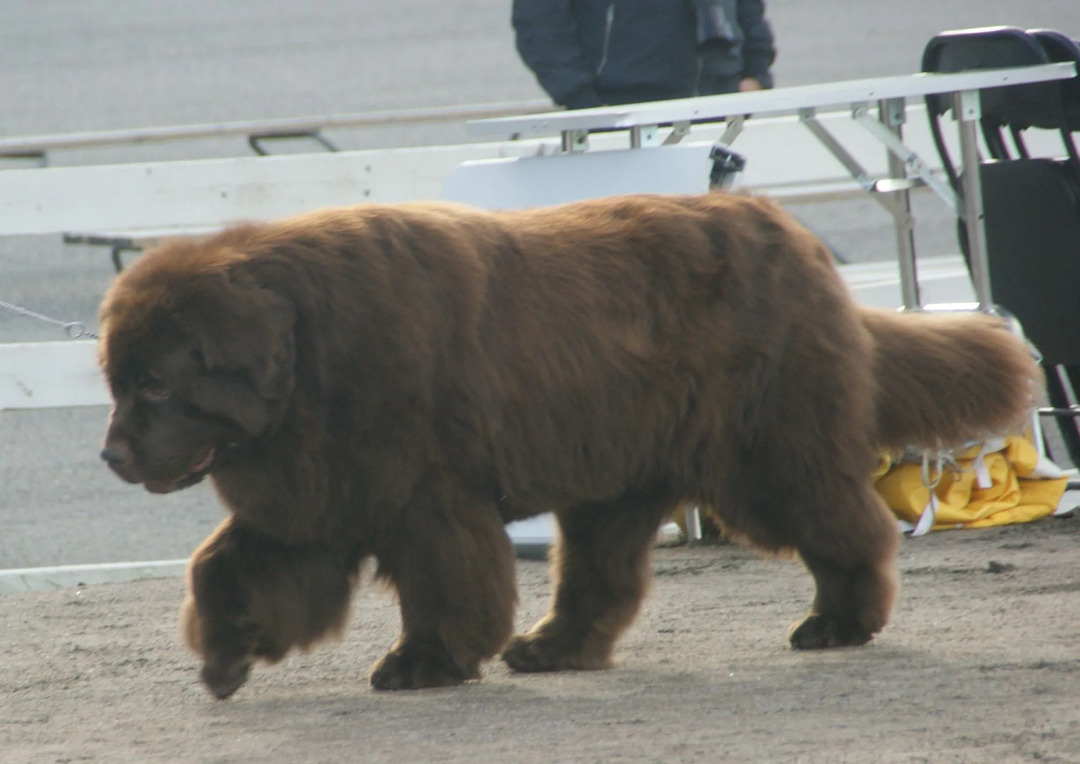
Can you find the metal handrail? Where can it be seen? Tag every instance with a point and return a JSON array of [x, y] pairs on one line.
[[267, 127]]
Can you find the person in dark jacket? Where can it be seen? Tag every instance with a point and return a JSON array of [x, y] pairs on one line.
[[595, 52]]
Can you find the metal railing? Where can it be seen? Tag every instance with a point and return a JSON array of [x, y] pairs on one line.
[[24, 146]]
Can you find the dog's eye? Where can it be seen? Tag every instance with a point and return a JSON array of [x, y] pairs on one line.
[[154, 390]]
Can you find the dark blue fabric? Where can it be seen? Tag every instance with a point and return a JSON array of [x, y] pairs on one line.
[[593, 52]]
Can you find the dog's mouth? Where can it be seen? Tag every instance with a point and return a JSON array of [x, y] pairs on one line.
[[204, 462]]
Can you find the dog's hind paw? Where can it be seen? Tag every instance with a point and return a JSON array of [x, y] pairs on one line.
[[414, 669], [818, 632]]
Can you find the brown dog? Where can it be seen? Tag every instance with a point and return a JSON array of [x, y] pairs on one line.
[[398, 382]]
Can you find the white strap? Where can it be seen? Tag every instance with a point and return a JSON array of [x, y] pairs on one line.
[[982, 471], [926, 520]]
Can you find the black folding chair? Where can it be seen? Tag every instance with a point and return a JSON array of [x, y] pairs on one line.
[[1031, 204]]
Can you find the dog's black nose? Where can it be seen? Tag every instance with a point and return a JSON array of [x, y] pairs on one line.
[[116, 454]]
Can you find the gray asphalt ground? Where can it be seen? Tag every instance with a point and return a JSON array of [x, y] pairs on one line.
[[979, 666], [111, 64]]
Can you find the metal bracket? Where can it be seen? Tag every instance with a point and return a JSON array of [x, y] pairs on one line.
[[879, 191], [643, 136], [255, 140], [679, 130], [731, 132], [967, 106], [21, 158], [892, 112], [575, 141], [914, 164], [809, 118]]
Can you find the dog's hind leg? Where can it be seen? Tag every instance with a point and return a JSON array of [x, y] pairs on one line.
[[793, 474], [452, 564], [600, 566], [854, 567]]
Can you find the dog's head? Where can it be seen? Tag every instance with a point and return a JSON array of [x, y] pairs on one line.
[[199, 359]]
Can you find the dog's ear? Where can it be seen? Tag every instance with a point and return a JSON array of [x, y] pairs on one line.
[[244, 336], [245, 329]]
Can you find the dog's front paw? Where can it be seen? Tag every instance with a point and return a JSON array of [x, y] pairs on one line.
[[406, 668], [817, 632], [225, 678]]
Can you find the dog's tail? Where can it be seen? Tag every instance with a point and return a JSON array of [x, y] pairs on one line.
[[944, 379]]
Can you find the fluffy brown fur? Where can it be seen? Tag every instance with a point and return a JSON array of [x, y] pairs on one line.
[[398, 382]]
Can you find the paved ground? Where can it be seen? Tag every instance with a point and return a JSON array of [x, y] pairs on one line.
[[979, 665]]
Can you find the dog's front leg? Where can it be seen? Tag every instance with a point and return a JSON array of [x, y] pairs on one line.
[[252, 597], [452, 564]]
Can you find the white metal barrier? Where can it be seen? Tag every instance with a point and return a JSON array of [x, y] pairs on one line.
[[253, 130]]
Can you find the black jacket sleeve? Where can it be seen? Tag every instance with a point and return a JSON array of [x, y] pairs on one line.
[[759, 48], [547, 40]]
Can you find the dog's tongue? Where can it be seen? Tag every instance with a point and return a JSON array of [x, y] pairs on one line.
[[160, 486]]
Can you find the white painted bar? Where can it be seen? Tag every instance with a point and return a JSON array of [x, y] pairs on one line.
[[192, 194], [541, 181], [766, 101], [265, 127], [17, 580], [147, 200], [36, 375], [212, 192]]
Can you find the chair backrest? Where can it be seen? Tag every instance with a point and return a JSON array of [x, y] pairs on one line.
[[993, 48], [1060, 48], [1048, 105]]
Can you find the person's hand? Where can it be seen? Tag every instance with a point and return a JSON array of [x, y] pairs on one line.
[[746, 84]]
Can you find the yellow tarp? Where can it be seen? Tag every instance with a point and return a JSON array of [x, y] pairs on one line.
[[994, 483]]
